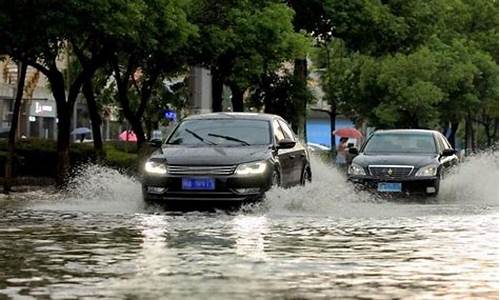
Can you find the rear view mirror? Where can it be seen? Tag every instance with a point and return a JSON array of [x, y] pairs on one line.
[[286, 144], [448, 152], [353, 151], [155, 143]]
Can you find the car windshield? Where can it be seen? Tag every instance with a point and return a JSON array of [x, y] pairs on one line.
[[226, 132], [401, 143]]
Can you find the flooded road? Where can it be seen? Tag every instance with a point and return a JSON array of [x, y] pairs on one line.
[[321, 241]]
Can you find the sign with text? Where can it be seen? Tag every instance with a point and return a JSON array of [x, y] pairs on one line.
[[43, 109], [170, 115]]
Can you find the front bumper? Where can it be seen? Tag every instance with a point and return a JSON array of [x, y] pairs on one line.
[[231, 188], [409, 185]]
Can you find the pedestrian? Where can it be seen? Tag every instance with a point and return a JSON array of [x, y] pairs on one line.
[[82, 137], [341, 157]]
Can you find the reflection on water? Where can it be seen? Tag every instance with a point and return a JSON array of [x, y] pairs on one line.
[[319, 241], [214, 256]]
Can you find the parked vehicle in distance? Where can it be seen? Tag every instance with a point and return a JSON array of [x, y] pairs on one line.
[[232, 157], [403, 161]]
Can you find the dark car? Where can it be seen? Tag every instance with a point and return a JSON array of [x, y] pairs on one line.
[[234, 157], [406, 161]]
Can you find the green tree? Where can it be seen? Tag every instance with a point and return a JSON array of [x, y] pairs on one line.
[[242, 40], [153, 50], [41, 33]]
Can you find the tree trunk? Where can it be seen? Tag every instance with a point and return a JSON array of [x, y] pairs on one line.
[[95, 118], [63, 146], [237, 98], [452, 138], [469, 135], [217, 88], [300, 73], [64, 112], [11, 145]]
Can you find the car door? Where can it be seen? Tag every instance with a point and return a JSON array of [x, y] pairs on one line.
[[297, 155], [284, 156]]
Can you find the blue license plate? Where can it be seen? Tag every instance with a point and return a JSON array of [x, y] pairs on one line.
[[389, 187], [204, 184]]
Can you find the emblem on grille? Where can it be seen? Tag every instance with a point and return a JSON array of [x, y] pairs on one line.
[[389, 172]]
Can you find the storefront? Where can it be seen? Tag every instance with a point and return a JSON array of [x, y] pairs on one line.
[[38, 120]]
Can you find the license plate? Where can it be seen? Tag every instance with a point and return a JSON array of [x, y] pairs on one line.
[[198, 184], [389, 187]]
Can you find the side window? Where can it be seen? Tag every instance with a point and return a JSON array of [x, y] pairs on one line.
[[440, 143], [287, 130], [446, 142], [278, 133]]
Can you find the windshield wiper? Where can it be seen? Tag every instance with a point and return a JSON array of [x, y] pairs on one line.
[[229, 138], [199, 137]]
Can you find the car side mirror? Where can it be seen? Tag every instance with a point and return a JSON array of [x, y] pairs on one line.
[[448, 152], [155, 143], [353, 151], [286, 144]]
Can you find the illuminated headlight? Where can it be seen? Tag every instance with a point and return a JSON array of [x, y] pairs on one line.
[[154, 167], [355, 169], [429, 170], [252, 168]]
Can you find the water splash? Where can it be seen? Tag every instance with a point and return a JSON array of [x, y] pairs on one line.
[[472, 186], [474, 182], [98, 189]]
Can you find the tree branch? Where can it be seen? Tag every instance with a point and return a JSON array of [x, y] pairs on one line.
[[146, 93]]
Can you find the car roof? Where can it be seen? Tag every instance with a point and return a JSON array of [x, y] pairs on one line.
[[233, 115], [403, 131]]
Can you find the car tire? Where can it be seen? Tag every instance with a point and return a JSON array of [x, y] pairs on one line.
[[306, 176], [436, 186], [275, 179]]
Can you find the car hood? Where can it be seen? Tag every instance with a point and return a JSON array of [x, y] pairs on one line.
[[395, 159], [181, 155]]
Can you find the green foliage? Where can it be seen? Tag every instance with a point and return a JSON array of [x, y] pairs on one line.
[[241, 40], [28, 160], [435, 63], [276, 93]]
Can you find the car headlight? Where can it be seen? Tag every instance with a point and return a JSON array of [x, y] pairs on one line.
[[429, 170], [155, 167], [252, 168], [355, 169]]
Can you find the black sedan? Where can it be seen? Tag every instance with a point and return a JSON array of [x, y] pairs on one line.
[[231, 157], [406, 161]]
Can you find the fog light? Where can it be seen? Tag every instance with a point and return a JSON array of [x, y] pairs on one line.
[[248, 190], [156, 190], [430, 190]]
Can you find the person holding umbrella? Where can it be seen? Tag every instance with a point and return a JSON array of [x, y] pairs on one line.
[[341, 157], [342, 148]]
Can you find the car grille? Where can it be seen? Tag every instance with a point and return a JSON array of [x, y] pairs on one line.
[[390, 171], [200, 170]]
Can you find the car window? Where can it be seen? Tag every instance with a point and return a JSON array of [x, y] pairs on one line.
[[441, 143], [227, 132], [278, 133], [446, 143], [287, 130], [401, 143]]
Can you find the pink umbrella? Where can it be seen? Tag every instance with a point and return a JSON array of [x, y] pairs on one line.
[[128, 135], [348, 132]]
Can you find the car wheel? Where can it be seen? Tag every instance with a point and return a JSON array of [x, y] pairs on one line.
[[276, 179], [436, 187], [306, 176]]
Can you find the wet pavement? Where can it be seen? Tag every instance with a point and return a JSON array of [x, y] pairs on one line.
[[321, 241]]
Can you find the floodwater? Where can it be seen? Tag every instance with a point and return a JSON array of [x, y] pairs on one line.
[[322, 241]]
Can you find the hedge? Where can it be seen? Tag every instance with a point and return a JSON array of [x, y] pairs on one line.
[[38, 158]]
